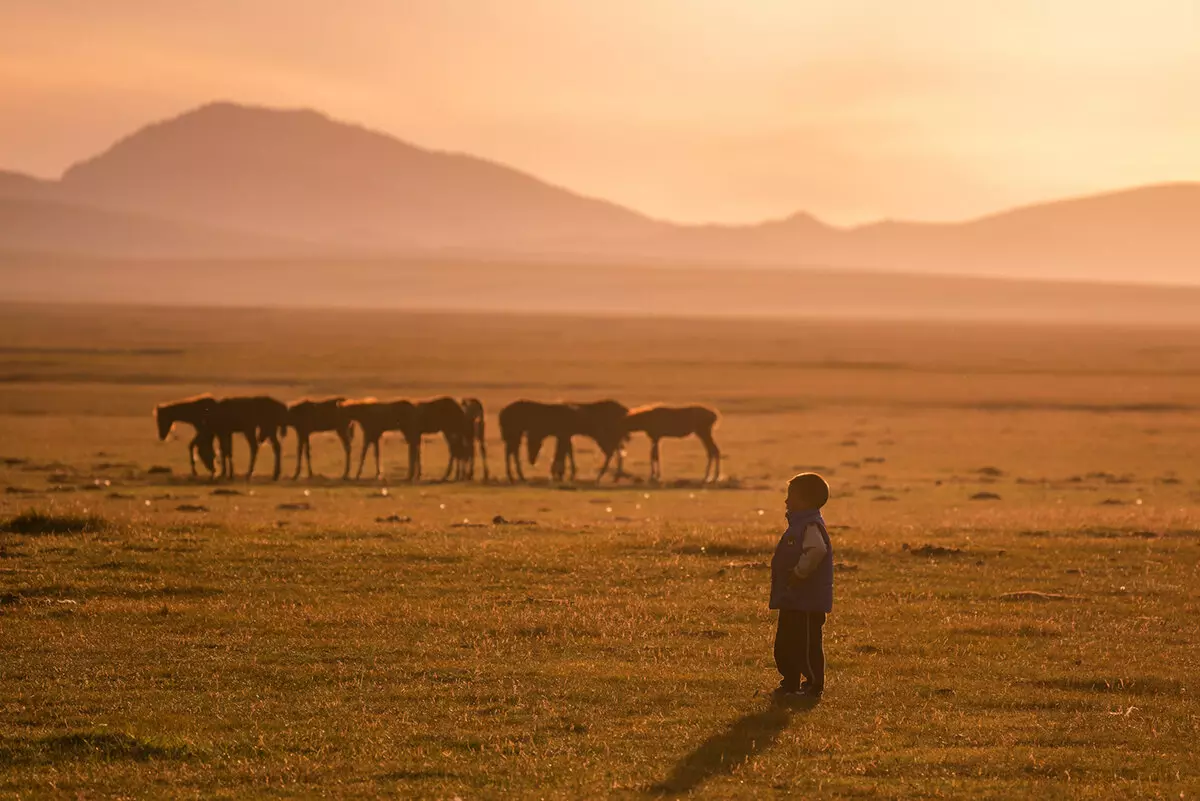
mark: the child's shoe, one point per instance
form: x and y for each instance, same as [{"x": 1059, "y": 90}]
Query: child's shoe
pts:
[{"x": 785, "y": 691}]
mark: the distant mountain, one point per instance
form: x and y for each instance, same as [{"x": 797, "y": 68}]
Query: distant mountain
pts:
[
  {"x": 1150, "y": 233},
  {"x": 24, "y": 187},
  {"x": 300, "y": 175},
  {"x": 230, "y": 180}
]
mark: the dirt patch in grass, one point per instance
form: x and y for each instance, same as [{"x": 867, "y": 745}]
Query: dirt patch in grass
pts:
[
  {"x": 36, "y": 523},
  {"x": 1136, "y": 685},
  {"x": 108, "y": 746},
  {"x": 1036, "y": 595},
  {"x": 933, "y": 550}
]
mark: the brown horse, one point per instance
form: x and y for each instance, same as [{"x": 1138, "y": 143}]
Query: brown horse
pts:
[
  {"x": 196, "y": 411},
  {"x": 677, "y": 421},
  {"x": 604, "y": 422},
  {"x": 307, "y": 417},
  {"x": 446, "y": 416},
  {"x": 534, "y": 421},
  {"x": 259, "y": 419},
  {"x": 473, "y": 408},
  {"x": 375, "y": 418}
]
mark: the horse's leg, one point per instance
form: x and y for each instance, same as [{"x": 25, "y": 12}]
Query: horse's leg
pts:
[
  {"x": 450, "y": 448},
  {"x": 558, "y": 465},
  {"x": 308, "y": 456},
  {"x": 714, "y": 455},
  {"x": 482, "y": 454},
  {"x": 192, "y": 446},
  {"x": 362, "y": 459},
  {"x": 655, "y": 460},
  {"x": 571, "y": 456},
  {"x": 301, "y": 438},
  {"x": 277, "y": 449},
  {"x": 608, "y": 455},
  {"x": 252, "y": 441},
  {"x": 617, "y": 476},
  {"x": 414, "y": 459},
  {"x": 344, "y": 436},
  {"x": 378, "y": 469},
  {"x": 225, "y": 443}
]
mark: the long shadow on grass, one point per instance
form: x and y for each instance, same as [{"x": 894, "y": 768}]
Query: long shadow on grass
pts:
[{"x": 724, "y": 751}]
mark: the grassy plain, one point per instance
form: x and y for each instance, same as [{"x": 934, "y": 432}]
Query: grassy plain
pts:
[{"x": 198, "y": 640}]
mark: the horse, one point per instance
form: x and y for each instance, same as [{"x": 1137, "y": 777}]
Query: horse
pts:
[
  {"x": 259, "y": 419},
  {"x": 677, "y": 421},
  {"x": 196, "y": 411},
  {"x": 473, "y": 408},
  {"x": 375, "y": 417},
  {"x": 604, "y": 422},
  {"x": 446, "y": 416},
  {"x": 534, "y": 421},
  {"x": 307, "y": 417}
]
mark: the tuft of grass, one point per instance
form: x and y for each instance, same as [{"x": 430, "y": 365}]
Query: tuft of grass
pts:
[{"x": 37, "y": 522}]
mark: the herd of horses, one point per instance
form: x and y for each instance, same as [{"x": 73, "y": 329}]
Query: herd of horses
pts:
[{"x": 261, "y": 419}]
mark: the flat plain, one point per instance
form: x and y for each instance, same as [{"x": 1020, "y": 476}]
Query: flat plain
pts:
[{"x": 1015, "y": 516}]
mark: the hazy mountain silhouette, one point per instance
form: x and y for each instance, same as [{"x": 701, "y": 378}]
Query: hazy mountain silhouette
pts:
[
  {"x": 237, "y": 180},
  {"x": 298, "y": 174}
]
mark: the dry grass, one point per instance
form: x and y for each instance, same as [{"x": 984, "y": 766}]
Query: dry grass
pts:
[{"x": 321, "y": 638}]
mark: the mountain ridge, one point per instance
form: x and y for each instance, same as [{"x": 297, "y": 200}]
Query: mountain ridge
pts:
[{"x": 302, "y": 180}]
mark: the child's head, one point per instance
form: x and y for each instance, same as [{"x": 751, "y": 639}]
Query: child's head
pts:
[{"x": 806, "y": 491}]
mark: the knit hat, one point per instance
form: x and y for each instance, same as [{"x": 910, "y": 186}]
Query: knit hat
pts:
[{"x": 807, "y": 491}]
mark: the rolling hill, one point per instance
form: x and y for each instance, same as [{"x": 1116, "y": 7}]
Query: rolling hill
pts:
[{"x": 238, "y": 181}]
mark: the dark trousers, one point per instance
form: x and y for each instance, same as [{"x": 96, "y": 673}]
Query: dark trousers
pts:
[{"x": 798, "y": 651}]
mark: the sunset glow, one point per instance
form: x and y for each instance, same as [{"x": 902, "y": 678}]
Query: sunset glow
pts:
[{"x": 690, "y": 111}]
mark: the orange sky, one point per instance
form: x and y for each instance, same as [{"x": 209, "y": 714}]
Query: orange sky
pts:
[{"x": 685, "y": 109}]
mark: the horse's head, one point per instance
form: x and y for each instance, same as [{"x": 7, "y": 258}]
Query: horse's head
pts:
[
  {"x": 207, "y": 453},
  {"x": 165, "y": 420},
  {"x": 533, "y": 442}
]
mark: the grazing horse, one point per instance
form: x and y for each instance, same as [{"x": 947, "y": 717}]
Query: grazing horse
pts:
[
  {"x": 259, "y": 419},
  {"x": 677, "y": 421},
  {"x": 307, "y": 417},
  {"x": 604, "y": 422},
  {"x": 446, "y": 416},
  {"x": 375, "y": 418},
  {"x": 473, "y": 408},
  {"x": 534, "y": 421},
  {"x": 196, "y": 411}
]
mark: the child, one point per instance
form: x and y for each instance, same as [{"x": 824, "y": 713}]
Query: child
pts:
[{"x": 802, "y": 589}]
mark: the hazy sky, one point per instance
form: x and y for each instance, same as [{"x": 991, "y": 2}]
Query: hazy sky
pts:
[{"x": 725, "y": 110}]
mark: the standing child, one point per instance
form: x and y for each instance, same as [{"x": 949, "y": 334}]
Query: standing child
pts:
[{"x": 802, "y": 589}]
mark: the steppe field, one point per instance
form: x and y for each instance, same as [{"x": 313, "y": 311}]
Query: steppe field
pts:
[{"x": 1015, "y": 517}]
